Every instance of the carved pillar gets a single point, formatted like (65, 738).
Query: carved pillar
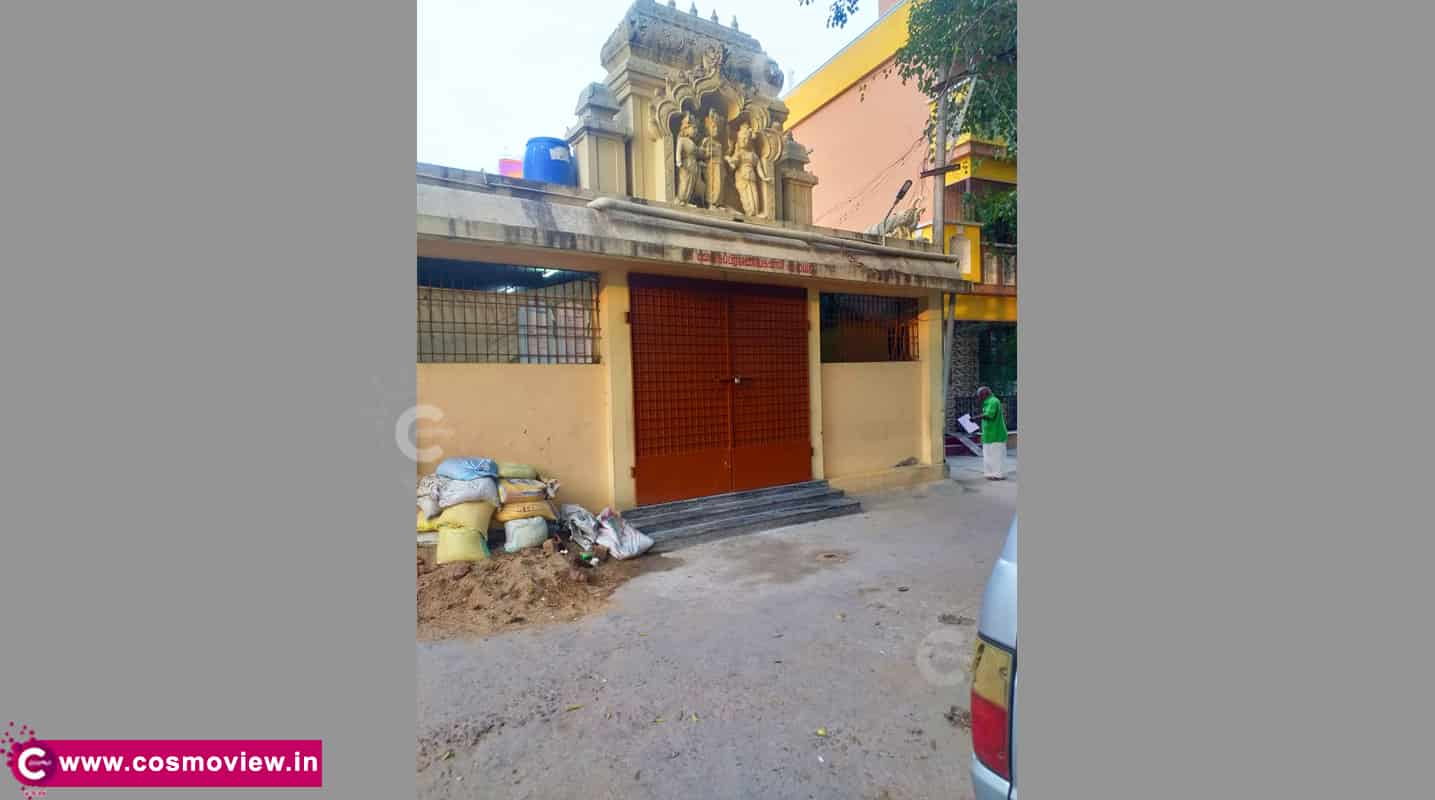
(795, 183)
(598, 142)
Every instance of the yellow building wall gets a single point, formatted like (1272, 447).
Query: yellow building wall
(575, 421)
(985, 307)
(547, 415)
(872, 416)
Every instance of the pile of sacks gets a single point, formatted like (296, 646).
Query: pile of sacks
(465, 496)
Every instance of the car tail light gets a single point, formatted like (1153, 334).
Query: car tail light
(991, 692)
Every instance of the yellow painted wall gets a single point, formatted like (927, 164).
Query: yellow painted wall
(991, 169)
(872, 416)
(575, 422)
(547, 415)
(986, 307)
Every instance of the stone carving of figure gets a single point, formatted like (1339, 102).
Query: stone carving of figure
(687, 160)
(710, 153)
(747, 169)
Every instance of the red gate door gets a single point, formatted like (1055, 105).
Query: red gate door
(681, 402)
(720, 389)
(772, 442)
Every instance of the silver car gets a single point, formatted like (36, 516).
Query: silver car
(994, 682)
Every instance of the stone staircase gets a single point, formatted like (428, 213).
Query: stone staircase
(740, 512)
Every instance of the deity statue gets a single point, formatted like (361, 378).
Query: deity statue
(710, 153)
(748, 170)
(687, 160)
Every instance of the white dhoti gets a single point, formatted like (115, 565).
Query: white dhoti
(994, 459)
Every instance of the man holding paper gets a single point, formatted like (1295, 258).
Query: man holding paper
(994, 435)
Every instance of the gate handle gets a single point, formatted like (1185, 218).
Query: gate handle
(732, 379)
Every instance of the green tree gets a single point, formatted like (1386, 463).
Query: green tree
(997, 213)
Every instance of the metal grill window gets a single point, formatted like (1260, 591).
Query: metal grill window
(481, 313)
(863, 327)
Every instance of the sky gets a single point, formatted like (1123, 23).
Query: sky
(492, 75)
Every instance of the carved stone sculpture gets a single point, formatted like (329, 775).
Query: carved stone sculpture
(686, 159)
(749, 173)
(711, 155)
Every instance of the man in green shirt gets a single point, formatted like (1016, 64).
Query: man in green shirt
(994, 435)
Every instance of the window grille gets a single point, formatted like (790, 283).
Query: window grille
(481, 313)
(861, 327)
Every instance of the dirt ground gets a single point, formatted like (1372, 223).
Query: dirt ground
(511, 591)
(709, 676)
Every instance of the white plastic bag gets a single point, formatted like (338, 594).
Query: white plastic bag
(582, 526)
(452, 492)
(522, 533)
(621, 538)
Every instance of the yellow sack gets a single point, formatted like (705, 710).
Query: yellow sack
(517, 471)
(461, 544)
(524, 510)
(520, 490)
(473, 516)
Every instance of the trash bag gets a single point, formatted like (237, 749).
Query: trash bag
(581, 525)
(469, 516)
(620, 537)
(466, 469)
(520, 490)
(461, 544)
(521, 533)
(517, 471)
(525, 509)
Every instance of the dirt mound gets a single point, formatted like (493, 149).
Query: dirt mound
(515, 590)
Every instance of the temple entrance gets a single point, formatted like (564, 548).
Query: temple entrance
(720, 387)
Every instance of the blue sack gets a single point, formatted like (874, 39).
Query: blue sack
(467, 469)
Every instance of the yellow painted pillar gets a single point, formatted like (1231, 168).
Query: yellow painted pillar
(617, 354)
(929, 342)
(814, 378)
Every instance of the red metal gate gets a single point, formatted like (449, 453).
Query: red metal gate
(720, 389)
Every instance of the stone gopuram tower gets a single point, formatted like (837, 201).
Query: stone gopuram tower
(689, 115)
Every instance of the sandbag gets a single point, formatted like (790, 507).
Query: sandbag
(519, 490)
(620, 537)
(469, 516)
(467, 469)
(452, 492)
(521, 533)
(461, 544)
(428, 509)
(524, 510)
(517, 471)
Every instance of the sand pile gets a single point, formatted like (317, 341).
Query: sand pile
(513, 590)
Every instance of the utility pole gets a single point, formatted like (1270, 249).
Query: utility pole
(939, 231)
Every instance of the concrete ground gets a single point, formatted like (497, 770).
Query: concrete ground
(710, 675)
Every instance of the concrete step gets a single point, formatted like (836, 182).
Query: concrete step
(728, 505)
(640, 513)
(751, 522)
